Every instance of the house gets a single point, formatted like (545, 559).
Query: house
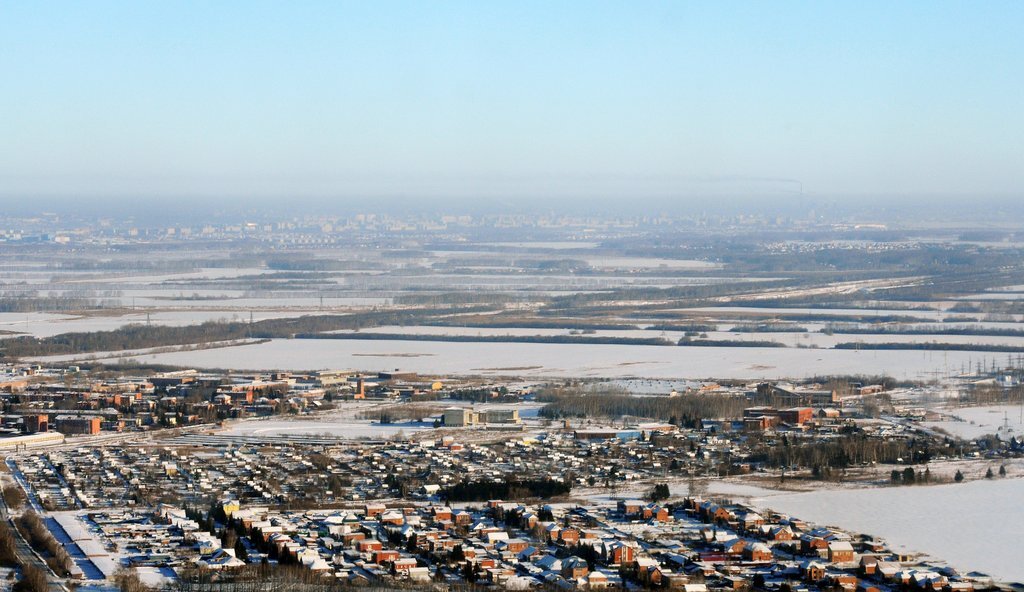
(384, 556)
(712, 512)
(751, 520)
(630, 508)
(549, 563)
(868, 565)
(840, 552)
(648, 571)
(596, 581)
(733, 546)
(617, 553)
(813, 571)
(220, 559)
(813, 545)
(574, 567)
(781, 533)
(654, 512)
(514, 546)
(569, 536)
(758, 552)
(796, 415)
(402, 565)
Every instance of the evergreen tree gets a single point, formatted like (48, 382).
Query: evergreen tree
(240, 550)
(660, 492)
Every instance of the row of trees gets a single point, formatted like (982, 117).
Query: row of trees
(37, 535)
(577, 339)
(688, 410)
(395, 413)
(279, 578)
(32, 578)
(850, 450)
(475, 491)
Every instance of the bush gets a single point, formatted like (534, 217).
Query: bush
(32, 579)
(8, 548)
(37, 535)
(14, 496)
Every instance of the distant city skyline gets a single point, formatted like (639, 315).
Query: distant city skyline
(511, 100)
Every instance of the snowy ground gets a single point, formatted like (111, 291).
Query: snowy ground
(812, 338)
(974, 422)
(48, 324)
(570, 360)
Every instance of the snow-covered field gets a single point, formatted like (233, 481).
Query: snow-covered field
(570, 360)
(46, 324)
(932, 315)
(1005, 420)
(810, 339)
(973, 526)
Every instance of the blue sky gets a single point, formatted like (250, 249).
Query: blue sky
(511, 98)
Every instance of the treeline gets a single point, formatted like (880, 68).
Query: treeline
(849, 450)
(689, 294)
(926, 330)
(476, 491)
(23, 303)
(576, 339)
(990, 394)
(689, 341)
(685, 327)
(33, 579)
(483, 395)
(393, 413)
(684, 410)
(496, 322)
(468, 297)
(812, 317)
(932, 346)
(843, 382)
(768, 328)
(763, 316)
(269, 577)
(146, 336)
(40, 538)
(305, 263)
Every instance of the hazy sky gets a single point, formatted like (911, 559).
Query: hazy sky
(513, 98)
